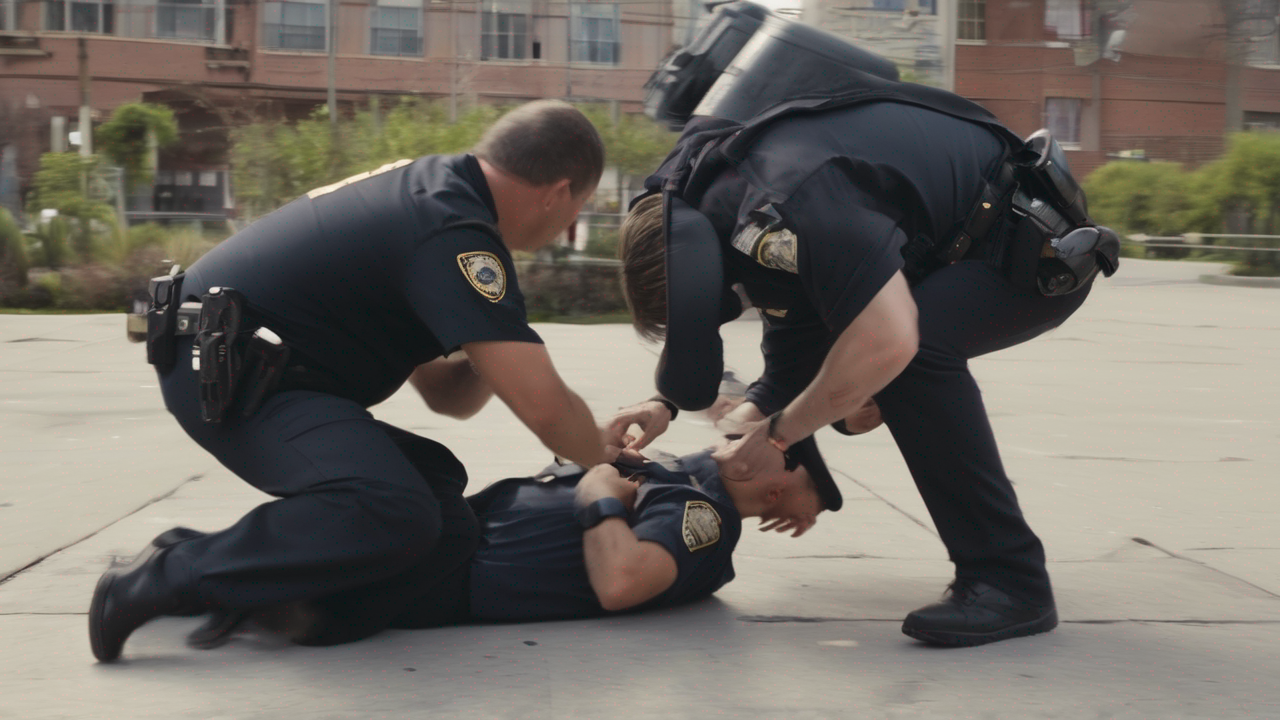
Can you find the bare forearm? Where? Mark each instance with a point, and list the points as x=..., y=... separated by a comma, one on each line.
x=451, y=387
x=875, y=348
x=843, y=385
x=565, y=425
x=613, y=557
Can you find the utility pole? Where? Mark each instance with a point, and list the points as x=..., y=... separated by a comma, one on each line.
x=453, y=67
x=86, y=111
x=948, y=21
x=333, y=57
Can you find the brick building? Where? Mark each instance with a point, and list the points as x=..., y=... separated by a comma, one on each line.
x=1148, y=77
x=223, y=62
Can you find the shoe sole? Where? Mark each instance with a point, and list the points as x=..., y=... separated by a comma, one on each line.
x=1042, y=624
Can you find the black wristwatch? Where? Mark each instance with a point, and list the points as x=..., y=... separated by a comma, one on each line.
x=599, y=511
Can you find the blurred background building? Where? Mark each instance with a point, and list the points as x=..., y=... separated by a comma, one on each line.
x=218, y=63
x=1153, y=79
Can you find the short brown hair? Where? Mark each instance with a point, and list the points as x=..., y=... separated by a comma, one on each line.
x=543, y=142
x=643, y=251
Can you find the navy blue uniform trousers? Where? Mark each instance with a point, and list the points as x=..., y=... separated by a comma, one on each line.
x=935, y=412
x=367, y=515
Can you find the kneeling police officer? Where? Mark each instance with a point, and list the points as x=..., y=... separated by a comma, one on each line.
x=887, y=232
x=272, y=346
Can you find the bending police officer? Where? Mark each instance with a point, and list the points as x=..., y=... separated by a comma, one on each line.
x=368, y=282
x=888, y=233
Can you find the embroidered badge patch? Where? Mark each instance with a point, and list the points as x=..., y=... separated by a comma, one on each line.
x=701, y=525
x=776, y=249
x=485, y=273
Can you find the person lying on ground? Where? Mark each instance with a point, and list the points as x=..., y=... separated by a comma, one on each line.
x=565, y=543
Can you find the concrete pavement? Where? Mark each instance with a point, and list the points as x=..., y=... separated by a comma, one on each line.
x=1141, y=437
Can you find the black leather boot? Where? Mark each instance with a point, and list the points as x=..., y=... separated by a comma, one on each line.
x=974, y=613
x=126, y=598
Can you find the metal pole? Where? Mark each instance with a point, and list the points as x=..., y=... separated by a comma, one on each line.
x=948, y=22
x=453, y=67
x=86, y=111
x=333, y=56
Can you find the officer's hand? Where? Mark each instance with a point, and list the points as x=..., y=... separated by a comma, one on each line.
x=736, y=422
x=613, y=454
x=864, y=419
x=604, y=481
x=750, y=455
x=652, y=416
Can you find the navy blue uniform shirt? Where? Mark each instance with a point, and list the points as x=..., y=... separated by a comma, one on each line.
x=530, y=563
x=815, y=219
x=370, y=277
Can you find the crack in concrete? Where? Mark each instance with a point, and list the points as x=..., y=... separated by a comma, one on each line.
x=882, y=499
x=1207, y=566
x=135, y=511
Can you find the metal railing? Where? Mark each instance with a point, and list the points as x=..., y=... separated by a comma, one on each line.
x=1197, y=241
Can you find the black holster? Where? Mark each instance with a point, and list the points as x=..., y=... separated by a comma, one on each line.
x=162, y=320
x=240, y=367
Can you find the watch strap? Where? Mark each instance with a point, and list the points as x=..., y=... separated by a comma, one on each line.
x=599, y=511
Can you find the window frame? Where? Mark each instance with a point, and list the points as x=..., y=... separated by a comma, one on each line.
x=580, y=48
x=516, y=41
x=282, y=4
x=976, y=19
x=1077, y=122
x=376, y=10
x=102, y=20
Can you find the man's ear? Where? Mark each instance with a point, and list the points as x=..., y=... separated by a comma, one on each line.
x=557, y=192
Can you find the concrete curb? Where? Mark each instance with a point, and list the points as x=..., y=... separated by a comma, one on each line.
x=1241, y=281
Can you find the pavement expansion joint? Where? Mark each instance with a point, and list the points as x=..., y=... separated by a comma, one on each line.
x=882, y=499
x=135, y=511
x=1207, y=566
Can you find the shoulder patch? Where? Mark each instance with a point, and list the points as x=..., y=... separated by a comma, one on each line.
x=777, y=250
x=774, y=249
x=701, y=527
x=485, y=273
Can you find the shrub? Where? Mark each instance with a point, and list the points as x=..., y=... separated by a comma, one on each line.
x=125, y=137
x=13, y=251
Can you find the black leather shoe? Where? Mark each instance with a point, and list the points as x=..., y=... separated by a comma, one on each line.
x=974, y=613
x=172, y=537
x=126, y=598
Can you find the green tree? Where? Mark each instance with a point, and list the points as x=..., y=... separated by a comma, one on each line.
x=13, y=251
x=125, y=137
x=59, y=185
x=50, y=240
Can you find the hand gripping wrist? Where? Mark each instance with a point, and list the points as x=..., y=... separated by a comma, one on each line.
x=773, y=437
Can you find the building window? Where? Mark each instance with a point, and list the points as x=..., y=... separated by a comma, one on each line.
x=922, y=7
x=396, y=28
x=81, y=17
x=593, y=33
x=294, y=25
x=186, y=20
x=1062, y=118
x=1261, y=28
x=971, y=22
x=1066, y=19
x=6, y=14
x=504, y=30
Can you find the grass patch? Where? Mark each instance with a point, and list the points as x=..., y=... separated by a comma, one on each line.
x=604, y=319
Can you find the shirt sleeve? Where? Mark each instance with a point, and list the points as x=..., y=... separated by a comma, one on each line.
x=698, y=532
x=849, y=246
x=461, y=283
x=794, y=347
